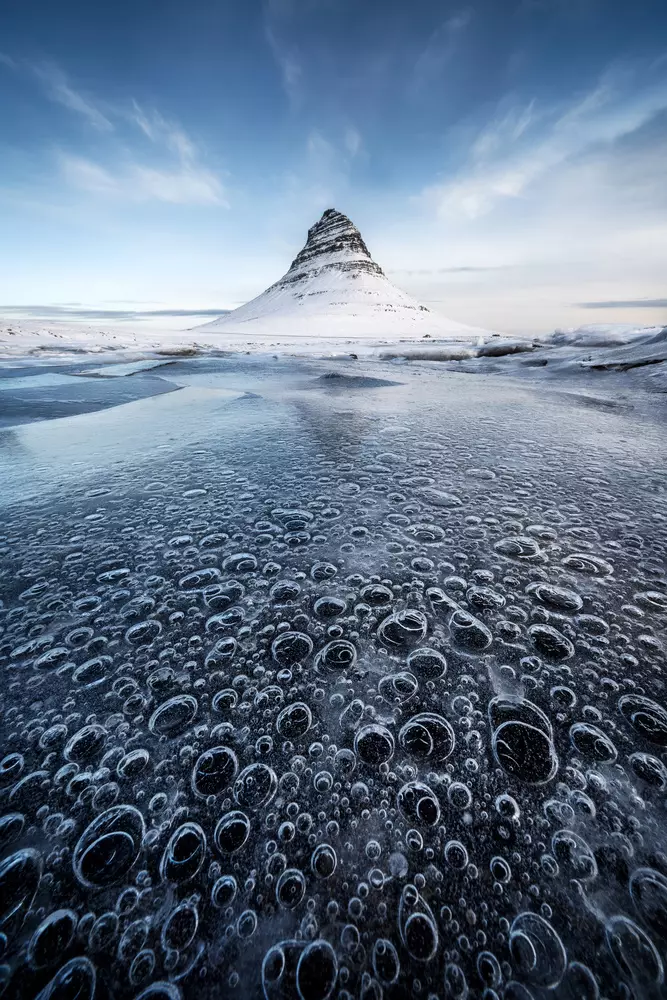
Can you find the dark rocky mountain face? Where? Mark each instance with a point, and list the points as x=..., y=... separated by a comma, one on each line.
x=332, y=236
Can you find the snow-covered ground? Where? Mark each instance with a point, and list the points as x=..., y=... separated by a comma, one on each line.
x=37, y=338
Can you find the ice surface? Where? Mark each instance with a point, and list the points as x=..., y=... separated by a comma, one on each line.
x=317, y=687
x=121, y=370
x=42, y=395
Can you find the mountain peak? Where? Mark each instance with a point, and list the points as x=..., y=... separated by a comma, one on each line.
x=334, y=288
x=333, y=240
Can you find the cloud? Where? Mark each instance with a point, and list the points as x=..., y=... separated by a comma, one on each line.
x=525, y=143
x=159, y=130
x=58, y=89
x=285, y=54
x=82, y=312
x=187, y=184
x=352, y=141
x=181, y=180
x=626, y=304
x=462, y=269
x=439, y=49
x=172, y=174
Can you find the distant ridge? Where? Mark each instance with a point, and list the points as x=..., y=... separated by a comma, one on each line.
x=334, y=288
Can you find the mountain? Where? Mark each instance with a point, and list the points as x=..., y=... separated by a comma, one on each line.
x=334, y=288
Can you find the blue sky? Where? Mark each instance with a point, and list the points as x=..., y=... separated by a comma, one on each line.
x=504, y=159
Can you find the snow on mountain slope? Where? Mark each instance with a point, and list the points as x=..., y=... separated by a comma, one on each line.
x=334, y=288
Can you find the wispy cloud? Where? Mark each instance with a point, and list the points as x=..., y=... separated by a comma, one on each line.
x=173, y=171
x=462, y=269
x=524, y=142
x=626, y=304
x=59, y=89
x=285, y=53
x=186, y=184
x=353, y=141
x=82, y=312
x=159, y=130
x=439, y=49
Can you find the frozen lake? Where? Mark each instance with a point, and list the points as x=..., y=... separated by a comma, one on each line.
x=333, y=679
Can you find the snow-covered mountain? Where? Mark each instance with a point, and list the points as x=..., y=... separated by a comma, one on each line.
x=334, y=288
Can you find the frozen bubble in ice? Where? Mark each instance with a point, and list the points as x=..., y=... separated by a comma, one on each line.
x=537, y=951
x=222, y=653
x=329, y=607
x=184, y=854
x=428, y=534
x=506, y=708
x=86, y=744
x=427, y=664
x=587, y=564
x=180, y=927
x=646, y=717
x=131, y=764
x=418, y=803
x=574, y=856
x=231, y=832
x=143, y=633
x=374, y=744
x=316, y=971
x=255, y=786
x=337, y=655
x=557, y=598
x=525, y=752
x=648, y=889
x=468, y=632
x=74, y=981
x=635, y=954
x=456, y=855
x=214, y=771
x=93, y=672
x=224, y=892
x=377, y=595
x=399, y=687
x=52, y=938
x=456, y=984
x=386, y=963
x=427, y=737
x=290, y=888
x=240, y=562
x=291, y=647
x=201, y=578
x=284, y=591
x=20, y=875
x=173, y=717
x=109, y=846
x=417, y=925
x=323, y=861
x=294, y=720
x=592, y=743
x=551, y=643
x=440, y=498
x=649, y=769
x=402, y=629
x=522, y=548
